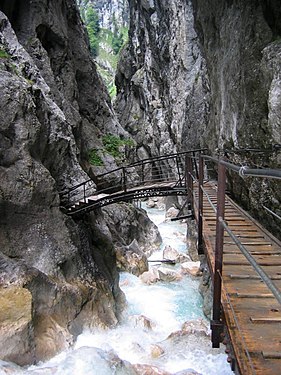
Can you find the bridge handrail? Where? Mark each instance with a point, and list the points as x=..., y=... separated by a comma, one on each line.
x=148, y=160
x=247, y=171
x=263, y=275
x=129, y=166
x=167, y=156
x=221, y=226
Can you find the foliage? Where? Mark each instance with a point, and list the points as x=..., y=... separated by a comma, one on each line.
x=117, y=38
x=112, y=145
x=4, y=54
x=105, y=44
x=94, y=158
x=93, y=27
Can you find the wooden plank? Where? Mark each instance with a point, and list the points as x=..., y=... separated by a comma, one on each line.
x=253, y=252
x=251, y=277
x=265, y=320
x=244, y=263
x=247, y=295
x=257, y=314
x=270, y=355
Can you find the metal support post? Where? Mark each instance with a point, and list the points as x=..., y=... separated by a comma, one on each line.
x=142, y=172
x=195, y=164
x=189, y=181
x=216, y=323
x=178, y=169
x=200, y=206
x=124, y=179
x=84, y=190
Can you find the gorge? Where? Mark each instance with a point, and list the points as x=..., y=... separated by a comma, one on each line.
x=193, y=74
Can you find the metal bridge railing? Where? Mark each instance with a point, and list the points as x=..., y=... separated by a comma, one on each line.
x=221, y=227
x=165, y=168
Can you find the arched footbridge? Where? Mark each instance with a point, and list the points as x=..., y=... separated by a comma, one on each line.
x=244, y=259
x=158, y=176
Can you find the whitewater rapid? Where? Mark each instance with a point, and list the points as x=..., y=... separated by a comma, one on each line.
x=166, y=306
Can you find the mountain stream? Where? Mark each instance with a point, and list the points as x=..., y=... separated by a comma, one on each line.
x=151, y=332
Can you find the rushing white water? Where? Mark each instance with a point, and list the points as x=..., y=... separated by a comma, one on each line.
x=167, y=306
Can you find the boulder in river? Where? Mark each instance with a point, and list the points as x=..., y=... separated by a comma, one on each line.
x=166, y=274
x=170, y=253
x=156, y=202
x=150, y=203
x=187, y=372
x=196, y=326
x=156, y=351
x=143, y=322
x=150, y=277
x=149, y=370
x=184, y=258
x=171, y=213
x=191, y=268
x=131, y=259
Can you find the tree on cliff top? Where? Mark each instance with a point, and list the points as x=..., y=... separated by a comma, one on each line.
x=93, y=27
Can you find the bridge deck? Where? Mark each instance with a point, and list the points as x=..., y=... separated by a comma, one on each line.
x=252, y=314
x=92, y=202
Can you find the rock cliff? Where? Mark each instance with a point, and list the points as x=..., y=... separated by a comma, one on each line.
x=57, y=275
x=206, y=73
x=160, y=73
x=107, y=23
x=112, y=13
x=241, y=44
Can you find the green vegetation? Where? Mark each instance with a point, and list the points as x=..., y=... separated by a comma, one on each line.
x=94, y=158
x=93, y=28
x=109, y=50
x=112, y=145
x=3, y=54
x=105, y=44
x=119, y=37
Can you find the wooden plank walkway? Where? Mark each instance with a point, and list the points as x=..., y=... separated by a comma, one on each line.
x=252, y=314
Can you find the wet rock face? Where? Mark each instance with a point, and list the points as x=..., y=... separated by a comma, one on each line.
x=49, y=118
x=236, y=38
x=53, y=34
x=15, y=324
x=206, y=73
x=126, y=224
x=217, y=61
x=241, y=44
x=159, y=74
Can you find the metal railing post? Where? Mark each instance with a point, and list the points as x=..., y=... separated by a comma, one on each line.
x=195, y=164
x=216, y=323
x=200, y=206
x=188, y=179
x=84, y=191
x=178, y=169
x=124, y=179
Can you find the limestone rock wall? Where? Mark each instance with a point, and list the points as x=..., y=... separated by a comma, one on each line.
x=42, y=132
x=159, y=74
x=241, y=44
x=53, y=109
x=207, y=74
x=112, y=10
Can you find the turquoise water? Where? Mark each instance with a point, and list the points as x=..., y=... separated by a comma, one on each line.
x=167, y=306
